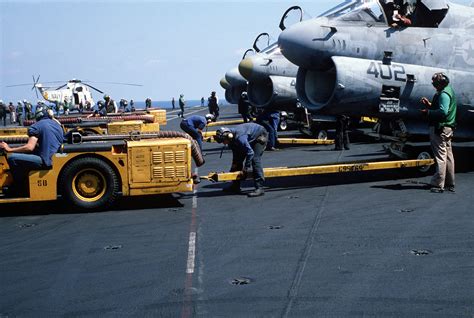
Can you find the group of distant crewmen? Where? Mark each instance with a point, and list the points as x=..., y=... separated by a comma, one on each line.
x=16, y=114
x=24, y=110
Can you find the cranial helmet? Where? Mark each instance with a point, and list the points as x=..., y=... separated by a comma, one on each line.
x=440, y=79
x=209, y=117
x=41, y=112
x=106, y=96
x=244, y=94
x=222, y=134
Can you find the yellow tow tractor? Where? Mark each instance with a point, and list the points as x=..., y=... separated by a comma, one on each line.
x=91, y=172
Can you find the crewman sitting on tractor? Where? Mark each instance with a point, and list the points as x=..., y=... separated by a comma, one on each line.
x=44, y=140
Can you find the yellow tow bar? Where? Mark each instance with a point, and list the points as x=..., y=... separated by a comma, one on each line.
x=207, y=136
x=323, y=169
x=226, y=122
x=304, y=141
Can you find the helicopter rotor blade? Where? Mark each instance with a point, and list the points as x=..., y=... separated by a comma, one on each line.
x=28, y=84
x=62, y=86
x=93, y=88
x=35, y=82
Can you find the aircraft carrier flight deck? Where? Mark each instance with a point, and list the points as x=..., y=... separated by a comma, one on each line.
x=358, y=244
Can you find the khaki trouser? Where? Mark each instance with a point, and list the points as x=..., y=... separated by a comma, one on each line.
x=443, y=153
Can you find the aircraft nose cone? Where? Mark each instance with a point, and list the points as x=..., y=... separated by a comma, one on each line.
x=224, y=83
x=246, y=67
x=296, y=42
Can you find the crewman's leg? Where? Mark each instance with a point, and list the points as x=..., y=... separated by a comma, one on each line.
x=192, y=132
x=339, y=135
x=237, y=165
x=345, y=136
x=20, y=165
x=257, y=168
x=438, y=145
x=450, y=167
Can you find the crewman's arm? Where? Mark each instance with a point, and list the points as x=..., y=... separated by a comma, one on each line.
x=245, y=147
x=27, y=148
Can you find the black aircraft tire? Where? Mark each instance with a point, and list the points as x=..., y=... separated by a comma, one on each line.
x=283, y=125
x=321, y=134
x=89, y=184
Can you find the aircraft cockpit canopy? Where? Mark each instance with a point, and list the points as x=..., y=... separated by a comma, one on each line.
x=292, y=16
x=421, y=13
x=262, y=44
x=248, y=53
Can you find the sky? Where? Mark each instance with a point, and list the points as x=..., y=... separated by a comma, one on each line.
x=169, y=47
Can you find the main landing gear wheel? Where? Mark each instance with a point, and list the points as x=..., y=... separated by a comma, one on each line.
x=283, y=125
x=424, y=155
x=89, y=183
x=322, y=134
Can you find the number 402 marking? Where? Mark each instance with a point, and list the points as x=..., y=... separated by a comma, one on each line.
x=387, y=72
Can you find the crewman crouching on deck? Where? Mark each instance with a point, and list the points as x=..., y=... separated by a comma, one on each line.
x=193, y=125
x=247, y=142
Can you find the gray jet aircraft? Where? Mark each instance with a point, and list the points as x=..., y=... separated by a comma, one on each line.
x=272, y=79
x=360, y=61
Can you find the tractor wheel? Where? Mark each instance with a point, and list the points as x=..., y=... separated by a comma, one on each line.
x=89, y=184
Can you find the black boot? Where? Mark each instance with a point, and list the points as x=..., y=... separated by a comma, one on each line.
x=256, y=193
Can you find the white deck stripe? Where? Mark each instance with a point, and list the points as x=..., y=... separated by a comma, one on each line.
x=196, y=111
x=191, y=253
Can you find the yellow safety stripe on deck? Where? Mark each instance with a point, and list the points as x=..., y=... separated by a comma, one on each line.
x=323, y=169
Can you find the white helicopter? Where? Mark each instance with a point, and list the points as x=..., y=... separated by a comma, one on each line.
x=75, y=92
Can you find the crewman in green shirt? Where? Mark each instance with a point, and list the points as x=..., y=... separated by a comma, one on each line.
x=441, y=113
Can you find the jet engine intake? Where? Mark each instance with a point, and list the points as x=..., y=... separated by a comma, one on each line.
x=277, y=92
x=232, y=94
